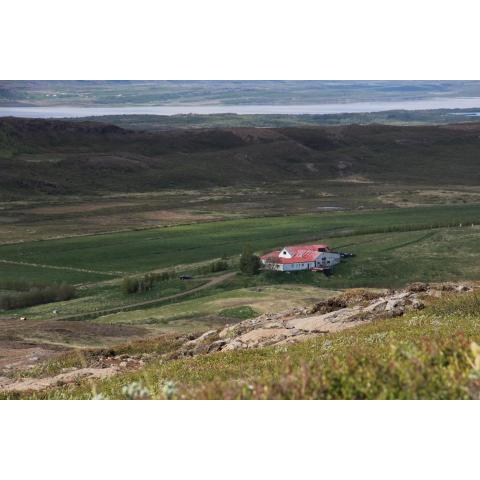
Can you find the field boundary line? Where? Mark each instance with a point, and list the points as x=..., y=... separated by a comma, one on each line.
x=57, y=267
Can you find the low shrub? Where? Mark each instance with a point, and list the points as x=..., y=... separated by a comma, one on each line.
x=163, y=276
x=218, y=266
x=129, y=285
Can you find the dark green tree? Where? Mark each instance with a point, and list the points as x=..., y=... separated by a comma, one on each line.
x=249, y=262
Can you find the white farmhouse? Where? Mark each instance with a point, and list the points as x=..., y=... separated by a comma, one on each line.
x=301, y=257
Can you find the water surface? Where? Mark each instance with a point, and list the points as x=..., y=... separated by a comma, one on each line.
x=317, y=109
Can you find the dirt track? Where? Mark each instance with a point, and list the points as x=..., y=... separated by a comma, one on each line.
x=134, y=306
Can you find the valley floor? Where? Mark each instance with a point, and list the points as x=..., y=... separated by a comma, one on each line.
x=75, y=215
x=102, y=327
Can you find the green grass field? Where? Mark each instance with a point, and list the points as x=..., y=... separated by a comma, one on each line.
x=393, y=247
x=46, y=274
x=145, y=250
x=100, y=297
x=394, y=259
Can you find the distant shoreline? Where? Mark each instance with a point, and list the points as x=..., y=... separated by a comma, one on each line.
x=312, y=109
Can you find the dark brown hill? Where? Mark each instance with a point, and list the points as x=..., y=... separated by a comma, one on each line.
x=60, y=157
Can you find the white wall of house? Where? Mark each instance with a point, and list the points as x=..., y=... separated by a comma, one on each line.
x=292, y=267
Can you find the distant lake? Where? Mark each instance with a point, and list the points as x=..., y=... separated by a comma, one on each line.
x=327, y=108
x=468, y=114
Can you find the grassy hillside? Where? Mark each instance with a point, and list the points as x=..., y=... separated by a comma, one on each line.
x=430, y=354
x=45, y=157
x=230, y=301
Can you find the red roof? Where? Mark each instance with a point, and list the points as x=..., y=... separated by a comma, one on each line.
x=300, y=254
x=271, y=255
x=315, y=248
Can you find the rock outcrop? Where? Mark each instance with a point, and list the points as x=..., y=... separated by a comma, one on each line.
x=354, y=307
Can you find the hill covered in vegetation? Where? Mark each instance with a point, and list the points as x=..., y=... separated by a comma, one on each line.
x=61, y=157
x=236, y=120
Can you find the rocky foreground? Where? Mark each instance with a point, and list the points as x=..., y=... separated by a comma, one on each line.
x=352, y=308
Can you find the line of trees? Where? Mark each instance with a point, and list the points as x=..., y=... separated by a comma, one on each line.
x=146, y=282
x=138, y=285
x=20, y=285
x=37, y=295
